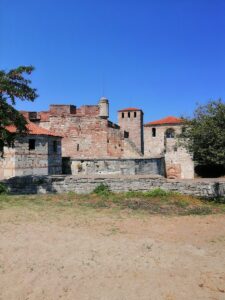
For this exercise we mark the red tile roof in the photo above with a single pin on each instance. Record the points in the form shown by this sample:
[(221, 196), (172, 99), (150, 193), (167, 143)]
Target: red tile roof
[(33, 129), (167, 120), (129, 109)]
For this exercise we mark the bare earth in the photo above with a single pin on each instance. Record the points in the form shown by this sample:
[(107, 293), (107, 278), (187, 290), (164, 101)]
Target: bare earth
[(110, 256)]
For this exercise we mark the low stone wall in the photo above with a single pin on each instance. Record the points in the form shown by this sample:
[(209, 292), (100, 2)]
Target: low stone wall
[(63, 184), (111, 166)]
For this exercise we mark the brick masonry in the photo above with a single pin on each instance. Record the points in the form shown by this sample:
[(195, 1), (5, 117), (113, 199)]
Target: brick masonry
[(88, 134), (85, 134)]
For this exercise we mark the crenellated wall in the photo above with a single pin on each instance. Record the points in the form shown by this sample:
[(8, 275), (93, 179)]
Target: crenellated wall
[(85, 133)]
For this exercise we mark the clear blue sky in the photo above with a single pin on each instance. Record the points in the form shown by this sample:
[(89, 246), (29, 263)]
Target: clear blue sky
[(160, 55)]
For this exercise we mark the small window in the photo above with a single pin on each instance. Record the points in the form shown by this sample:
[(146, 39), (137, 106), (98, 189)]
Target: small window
[(55, 146), (153, 132), (122, 115), (170, 133), (135, 114), (31, 144), (126, 134), (78, 147), (128, 114)]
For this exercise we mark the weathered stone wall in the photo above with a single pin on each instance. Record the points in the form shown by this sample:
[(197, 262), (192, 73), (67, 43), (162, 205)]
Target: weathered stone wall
[(153, 166), (64, 184), (20, 161), (155, 145), (179, 163), (31, 162), (54, 156), (132, 122), (7, 163), (89, 137)]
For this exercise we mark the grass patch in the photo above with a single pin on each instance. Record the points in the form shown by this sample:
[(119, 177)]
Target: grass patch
[(3, 188), (152, 202)]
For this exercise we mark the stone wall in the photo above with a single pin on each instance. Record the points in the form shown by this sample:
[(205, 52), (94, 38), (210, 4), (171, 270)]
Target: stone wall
[(43, 160), (132, 122), (153, 166), (63, 184), (89, 137), (179, 163), (54, 155), (7, 163), (155, 145)]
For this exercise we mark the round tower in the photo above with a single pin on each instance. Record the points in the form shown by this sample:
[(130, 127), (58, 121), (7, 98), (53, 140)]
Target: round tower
[(103, 108)]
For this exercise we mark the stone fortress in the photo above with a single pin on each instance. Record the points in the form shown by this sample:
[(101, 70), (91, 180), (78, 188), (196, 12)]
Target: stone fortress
[(92, 144)]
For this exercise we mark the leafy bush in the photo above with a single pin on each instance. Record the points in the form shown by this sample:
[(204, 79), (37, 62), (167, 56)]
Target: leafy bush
[(102, 189), (3, 188)]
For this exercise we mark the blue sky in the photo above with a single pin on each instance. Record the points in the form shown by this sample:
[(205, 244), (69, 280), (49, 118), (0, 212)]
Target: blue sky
[(159, 55)]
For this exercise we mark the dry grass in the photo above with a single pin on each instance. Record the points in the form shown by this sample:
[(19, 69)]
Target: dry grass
[(155, 202)]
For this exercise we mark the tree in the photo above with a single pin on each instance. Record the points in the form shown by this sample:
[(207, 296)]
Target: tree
[(204, 134), (13, 85)]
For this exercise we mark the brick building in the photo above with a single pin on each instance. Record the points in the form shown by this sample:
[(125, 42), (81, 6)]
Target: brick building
[(90, 140), (38, 152)]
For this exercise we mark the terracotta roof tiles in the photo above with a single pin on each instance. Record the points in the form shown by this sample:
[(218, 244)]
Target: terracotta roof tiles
[(167, 120), (33, 129)]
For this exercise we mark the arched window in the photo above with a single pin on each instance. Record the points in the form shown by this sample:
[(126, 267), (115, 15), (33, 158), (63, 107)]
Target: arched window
[(153, 132), (170, 133)]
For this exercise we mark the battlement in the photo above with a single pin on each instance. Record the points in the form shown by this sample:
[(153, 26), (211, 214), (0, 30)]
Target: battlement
[(58, 109)]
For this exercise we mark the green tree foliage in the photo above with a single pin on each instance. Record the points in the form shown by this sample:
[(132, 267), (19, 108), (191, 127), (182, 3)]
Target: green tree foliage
[(204, 134), (13, 85)]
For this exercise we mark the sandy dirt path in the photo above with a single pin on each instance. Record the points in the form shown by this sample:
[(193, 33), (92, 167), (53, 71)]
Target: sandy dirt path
[(111, 257)]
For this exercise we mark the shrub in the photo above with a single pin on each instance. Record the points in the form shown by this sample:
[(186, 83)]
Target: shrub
[(102, 189), (157, 193), (3, 188)]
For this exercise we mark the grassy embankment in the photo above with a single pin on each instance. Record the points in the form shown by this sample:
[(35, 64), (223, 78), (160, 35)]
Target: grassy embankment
[(152, 202)]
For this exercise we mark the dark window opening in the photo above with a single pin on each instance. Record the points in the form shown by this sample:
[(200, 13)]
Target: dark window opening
[(170, 133), (128, 114), (135, 114), (154, 132), (122, 115), (55, 146), (126, 134), (31, 144), (78, 147), (108, 141)]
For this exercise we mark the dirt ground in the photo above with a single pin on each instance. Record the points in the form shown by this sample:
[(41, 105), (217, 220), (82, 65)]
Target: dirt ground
[(46, 255)]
